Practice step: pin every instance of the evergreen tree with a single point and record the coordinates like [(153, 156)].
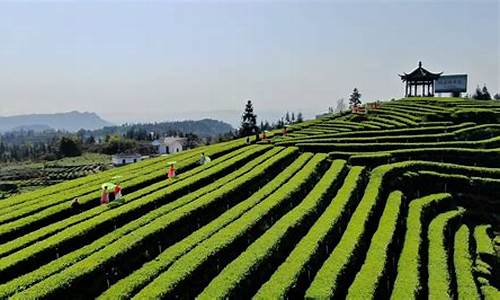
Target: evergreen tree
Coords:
[(293, 117), (482, 94), (497, 96), (478, 94), (300, 118), (486, 94), (287, 117), (355, 98), (249, 121)]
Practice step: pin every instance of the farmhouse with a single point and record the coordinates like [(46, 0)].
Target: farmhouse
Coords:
[(169, 145), (123, 159)]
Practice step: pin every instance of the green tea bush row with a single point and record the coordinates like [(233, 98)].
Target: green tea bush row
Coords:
[(130, 285), (168, 282), (440, 277), (370, 278), (31, 255), (267, 246), (290, 274), (408, 283), (464, 266), (89, 260)]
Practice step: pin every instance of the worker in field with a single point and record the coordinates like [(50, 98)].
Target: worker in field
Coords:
[(285, 131), (171, 171), (204, 159), (118, 191), (105, 196), (75, 206)]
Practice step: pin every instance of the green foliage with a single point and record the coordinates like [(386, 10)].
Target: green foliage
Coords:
[(476, 115), (286, 277), (183, 268), (370, 278), (118, 144), (408, 283), (266, 246), (137, 280), (466, 285), (69, 148), (439, 279), (249, 121), (268, 222), (120, 242), (355, 98)]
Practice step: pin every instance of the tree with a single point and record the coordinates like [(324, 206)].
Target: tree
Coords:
[(90, 140), (497, 96), (293, 117), (482, 94), (486, 94), (340, 105), (300, 118), (355, 98), (287, 117), (249, 121), (68, 147), (192, 140)]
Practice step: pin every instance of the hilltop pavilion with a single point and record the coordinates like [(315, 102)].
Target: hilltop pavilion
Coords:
[(419, 77)]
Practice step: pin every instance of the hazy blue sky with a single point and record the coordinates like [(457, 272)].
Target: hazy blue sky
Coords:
[(141, 61)]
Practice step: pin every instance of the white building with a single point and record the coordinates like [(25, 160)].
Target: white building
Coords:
[(123, 159), (169, 145)]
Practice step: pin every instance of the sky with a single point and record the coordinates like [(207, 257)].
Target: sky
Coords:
[(158, 60)]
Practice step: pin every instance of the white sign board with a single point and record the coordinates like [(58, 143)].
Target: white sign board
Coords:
[(451, 83)]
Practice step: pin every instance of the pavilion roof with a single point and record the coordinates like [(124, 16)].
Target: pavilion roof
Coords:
[(420, 74)]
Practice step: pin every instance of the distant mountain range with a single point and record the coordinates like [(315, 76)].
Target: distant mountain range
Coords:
[(69, 121)]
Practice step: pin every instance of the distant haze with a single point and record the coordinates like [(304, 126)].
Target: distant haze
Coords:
[(70, 121), (137, 61)]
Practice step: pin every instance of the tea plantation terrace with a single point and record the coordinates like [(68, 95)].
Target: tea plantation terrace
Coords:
[(398, 203)]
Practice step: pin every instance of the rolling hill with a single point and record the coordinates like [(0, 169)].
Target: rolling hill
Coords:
[(398, 203), (69, 121)]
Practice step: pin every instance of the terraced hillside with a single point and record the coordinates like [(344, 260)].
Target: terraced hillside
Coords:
[(400, 203)]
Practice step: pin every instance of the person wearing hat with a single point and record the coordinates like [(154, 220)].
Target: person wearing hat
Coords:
[(118, 191), (171, 171), (75, 206), (202, 159), (105, 196)]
